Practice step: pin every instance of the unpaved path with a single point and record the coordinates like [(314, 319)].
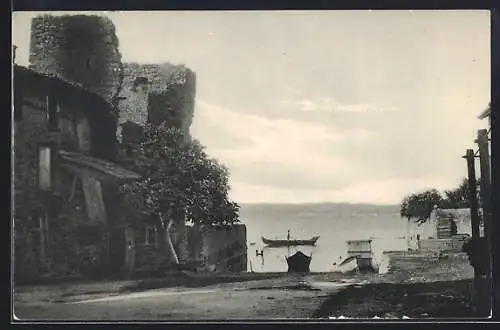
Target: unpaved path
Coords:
[(282, 298)]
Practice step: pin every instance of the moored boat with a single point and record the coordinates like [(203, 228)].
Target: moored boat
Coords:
[(298, 263), (289, 242)]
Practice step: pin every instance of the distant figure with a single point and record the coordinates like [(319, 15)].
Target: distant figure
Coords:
[(418, 241), (288, 235)]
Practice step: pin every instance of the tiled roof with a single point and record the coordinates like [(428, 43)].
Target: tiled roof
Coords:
[(98, 164)]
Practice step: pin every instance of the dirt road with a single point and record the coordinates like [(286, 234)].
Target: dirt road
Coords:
[(284, 297), (280, 298)]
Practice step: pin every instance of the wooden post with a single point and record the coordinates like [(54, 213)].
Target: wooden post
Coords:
[(484, 160), (471, 170), (479, 297)]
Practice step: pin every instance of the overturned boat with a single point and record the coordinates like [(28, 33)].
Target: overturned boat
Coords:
[(298, 263), (357, 264), (360, 258)]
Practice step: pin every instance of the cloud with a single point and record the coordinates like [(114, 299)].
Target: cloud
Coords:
[(284, 143), (292, 160), (328, 104), (288, 157)]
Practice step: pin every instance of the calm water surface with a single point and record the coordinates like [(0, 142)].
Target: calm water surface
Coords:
[(334, 226)]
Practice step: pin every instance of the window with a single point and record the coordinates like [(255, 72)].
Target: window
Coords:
[(44, 168), (151, 235), (52, 112)]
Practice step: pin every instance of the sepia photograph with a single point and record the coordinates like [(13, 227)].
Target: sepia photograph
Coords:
[(251, 165)]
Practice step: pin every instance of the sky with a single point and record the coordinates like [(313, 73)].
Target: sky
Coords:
[(323, 106)]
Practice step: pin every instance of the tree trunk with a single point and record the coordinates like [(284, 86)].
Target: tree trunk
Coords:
[(408, 241), (169, 246), (182, 246)]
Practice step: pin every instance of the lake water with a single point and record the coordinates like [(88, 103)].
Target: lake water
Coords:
[(335, 224)]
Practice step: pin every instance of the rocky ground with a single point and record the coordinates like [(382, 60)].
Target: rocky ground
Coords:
[(417, 286)]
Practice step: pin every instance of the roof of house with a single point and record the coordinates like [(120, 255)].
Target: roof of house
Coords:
[(97, 164), (25, 76)]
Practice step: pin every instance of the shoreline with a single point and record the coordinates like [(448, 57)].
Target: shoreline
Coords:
[(414, 287)]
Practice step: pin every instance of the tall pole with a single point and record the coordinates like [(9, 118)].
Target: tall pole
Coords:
[(471, 171), (480, 296), (485, 184), (484, 161)]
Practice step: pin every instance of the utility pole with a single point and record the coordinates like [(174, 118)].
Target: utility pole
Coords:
[(480, 296), (484, 160), (471, 170)]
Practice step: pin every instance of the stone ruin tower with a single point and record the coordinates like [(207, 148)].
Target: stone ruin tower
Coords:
[(80, 49), (155, 93)]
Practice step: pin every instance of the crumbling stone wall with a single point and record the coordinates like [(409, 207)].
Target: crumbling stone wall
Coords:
[(170, 95), (225, 247), (81, 49)]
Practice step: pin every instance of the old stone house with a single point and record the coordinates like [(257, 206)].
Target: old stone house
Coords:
[(151, 94), (65, 217)]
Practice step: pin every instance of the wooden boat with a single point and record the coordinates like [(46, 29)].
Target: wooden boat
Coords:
[(348, 265), (298, 263), (289, 242), (357, 264), (360, 257)]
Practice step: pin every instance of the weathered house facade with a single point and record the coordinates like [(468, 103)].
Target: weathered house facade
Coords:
[(65, 219)]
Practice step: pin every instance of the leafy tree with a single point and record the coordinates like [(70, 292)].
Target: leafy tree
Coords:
[(457, 198), (179, 184), (419, 206)]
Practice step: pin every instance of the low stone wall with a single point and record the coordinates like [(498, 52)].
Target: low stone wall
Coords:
[(446, 244), (220, 249), (224, 248)]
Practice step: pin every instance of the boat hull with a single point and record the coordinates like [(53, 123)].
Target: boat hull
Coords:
[(349, 265), (357, 264), (299, 263), (278, 243)]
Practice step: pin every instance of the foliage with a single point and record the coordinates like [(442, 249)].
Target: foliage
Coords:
[(457, 198), (419, 206), (179, 181)]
